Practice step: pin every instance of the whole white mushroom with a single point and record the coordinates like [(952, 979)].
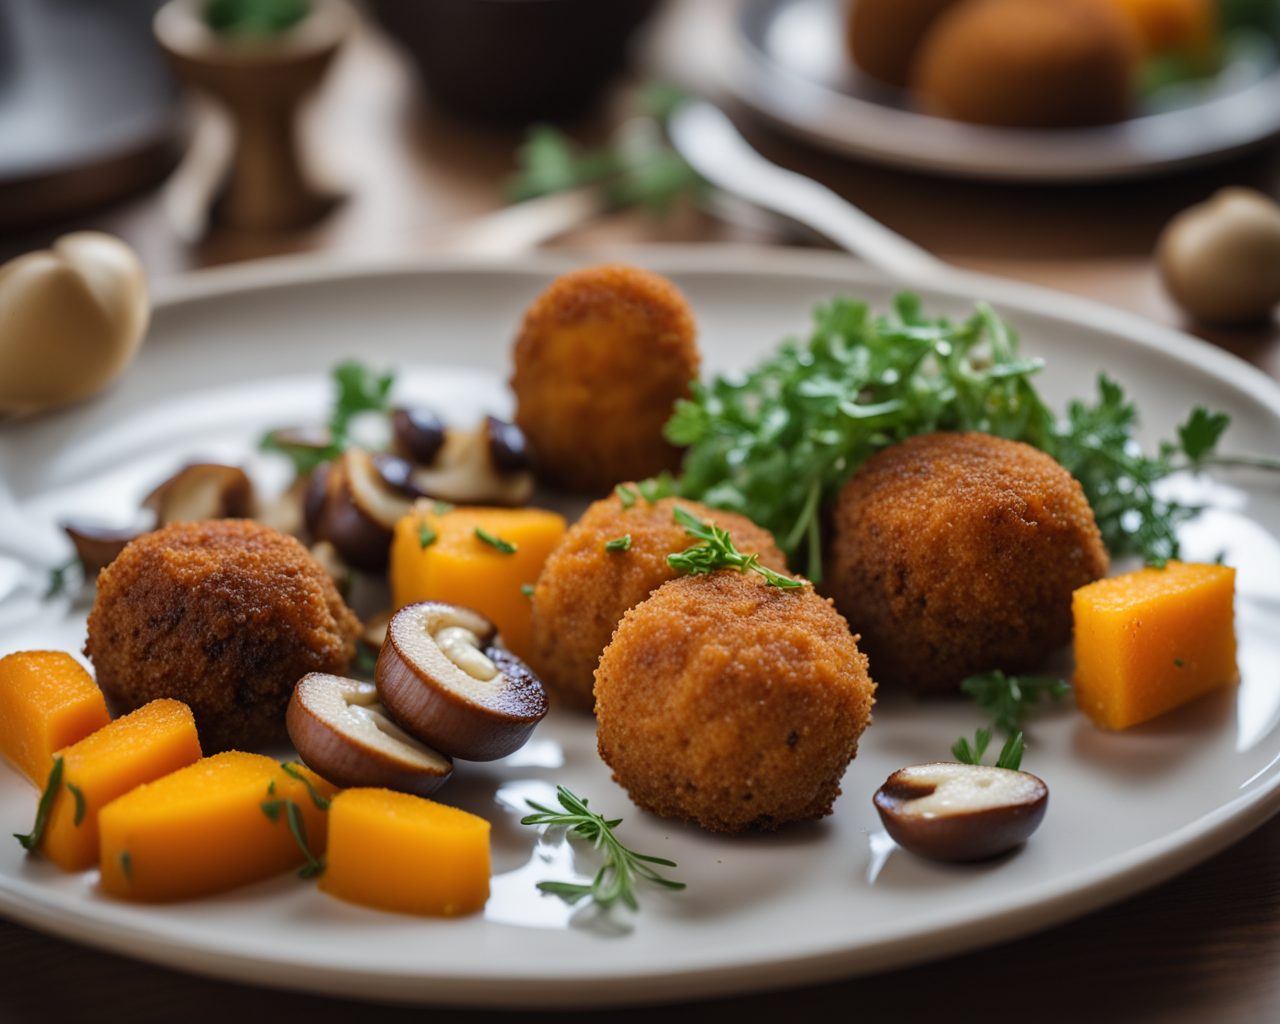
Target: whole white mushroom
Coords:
[(71, 319), (1220, 259)]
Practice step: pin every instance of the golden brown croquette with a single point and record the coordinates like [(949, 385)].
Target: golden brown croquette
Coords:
[(957, 553), (731, 703), (600, 360), (225, 615), (584, 588)]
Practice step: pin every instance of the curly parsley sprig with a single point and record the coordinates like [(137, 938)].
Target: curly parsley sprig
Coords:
[(621, 868), (717, 551)]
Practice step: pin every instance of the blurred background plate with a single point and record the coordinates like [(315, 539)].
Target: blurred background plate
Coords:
[(790, 64)]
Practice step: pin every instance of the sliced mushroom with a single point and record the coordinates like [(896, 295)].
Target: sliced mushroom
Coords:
[(443, 676), (359, 512), (313, 498), (960, 812), (202, 491), (97, 548), (418, 433), (345, 736), (469, 468)]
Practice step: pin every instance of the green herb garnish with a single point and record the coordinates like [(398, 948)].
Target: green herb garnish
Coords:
[(442, 508), (505, 546), (527, 589), (32, 839), (291, 769), (718, 552), (80, 805), (254, 17), (357, 389), (126, 865), (58, 578), (621, 867), (1007, 699), (426, 535), (657, 487), (626, 495), (298, 827), (638, 166), (622, 543), (779, 441), (1010, 756)]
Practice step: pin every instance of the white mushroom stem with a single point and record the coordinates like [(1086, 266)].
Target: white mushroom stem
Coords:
[(462, 647)]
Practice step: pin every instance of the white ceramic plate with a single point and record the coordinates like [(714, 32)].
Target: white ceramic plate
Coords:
[(789, 63), (236, 351)]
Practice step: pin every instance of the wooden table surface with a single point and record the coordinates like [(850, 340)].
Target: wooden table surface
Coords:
[(1205, 946)]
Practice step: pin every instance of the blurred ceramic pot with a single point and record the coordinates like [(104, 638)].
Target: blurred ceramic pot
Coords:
[(262, 79), (516, 61)]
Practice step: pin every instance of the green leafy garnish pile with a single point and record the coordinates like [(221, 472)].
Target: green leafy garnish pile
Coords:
[(637, 167), (777, 442), (1010, 756), (717, 551), (621, 867), (357, 389)]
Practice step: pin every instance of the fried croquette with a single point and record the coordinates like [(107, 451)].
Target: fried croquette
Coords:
[(585, 588), (225, 615), (1027, 63), (954, 554), (601, 358), (883, 35), (731, 703)]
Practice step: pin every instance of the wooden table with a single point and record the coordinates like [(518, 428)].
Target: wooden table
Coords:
[(1205, 946)]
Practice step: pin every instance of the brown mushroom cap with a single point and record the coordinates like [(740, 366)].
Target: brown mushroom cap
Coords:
[(434, 699), (344, 736), (960, 812)]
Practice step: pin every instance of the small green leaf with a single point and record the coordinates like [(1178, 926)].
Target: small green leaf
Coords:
[(58, 578), (126, 865), (1179, 662), (626, 495), (505, 546), (966, 754), (442, 508), (527, 589), (291, 769), (32, 839), (80, 806), (298, 829), (1200, 434), (426, 535), (622, 543), (1011, 753)]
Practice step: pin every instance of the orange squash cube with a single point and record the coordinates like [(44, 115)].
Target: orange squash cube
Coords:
[(394, 851), (442, 558), (139, 747), (47, 701), (203, 829), (1149, 641)]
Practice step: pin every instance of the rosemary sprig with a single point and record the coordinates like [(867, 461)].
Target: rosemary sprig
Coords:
[(618, 874), (32, 839), (717, 551), (494, 541)]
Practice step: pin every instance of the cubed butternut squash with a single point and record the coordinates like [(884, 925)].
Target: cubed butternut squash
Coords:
[(204, 828), (47, 701), (1149, 641), (139, 747), (394, 851), (444, 557)]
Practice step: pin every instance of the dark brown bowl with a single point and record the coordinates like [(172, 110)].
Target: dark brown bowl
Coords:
[(515, 61)]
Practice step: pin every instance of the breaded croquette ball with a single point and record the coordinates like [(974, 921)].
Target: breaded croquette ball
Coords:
[(585, 588), (225, 615), (1027, 63), (601, 358), (954, 554), (883, 35), (731, 703)]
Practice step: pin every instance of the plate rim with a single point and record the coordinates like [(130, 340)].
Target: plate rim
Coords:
[(1047, 905)]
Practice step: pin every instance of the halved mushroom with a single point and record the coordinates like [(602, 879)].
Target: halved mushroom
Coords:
[(960, 812), (359, 511), (202, 491), (97, 548), (443, 676), (485, 466), (418, 433), (345, 736)]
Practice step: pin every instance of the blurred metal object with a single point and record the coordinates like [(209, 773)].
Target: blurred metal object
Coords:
[(262, 81), (88, 111), (515, 61), (524, 226)]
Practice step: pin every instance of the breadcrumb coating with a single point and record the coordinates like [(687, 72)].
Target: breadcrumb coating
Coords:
[(584, 589), (731, 703), (600, 360), (225, 615), (954, 554)]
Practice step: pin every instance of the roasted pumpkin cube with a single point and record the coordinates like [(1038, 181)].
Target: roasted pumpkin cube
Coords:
[(47, 701), (1149, 641)]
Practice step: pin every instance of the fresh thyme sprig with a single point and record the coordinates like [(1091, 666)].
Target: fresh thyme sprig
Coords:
[(1010, 756), (621, 867), (1007, 699), (494, 541), (293, 815), (32, 839), (717, 551)]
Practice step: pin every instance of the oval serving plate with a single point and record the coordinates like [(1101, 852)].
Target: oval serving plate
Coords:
[(788, 61), (236, 351)]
